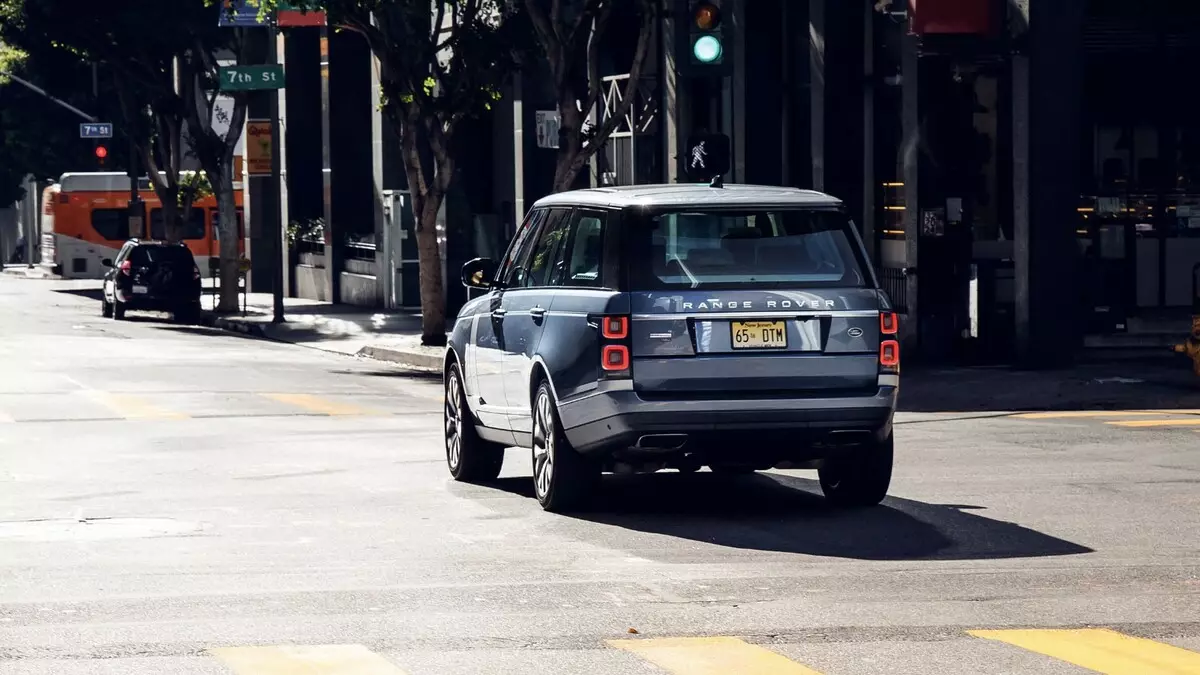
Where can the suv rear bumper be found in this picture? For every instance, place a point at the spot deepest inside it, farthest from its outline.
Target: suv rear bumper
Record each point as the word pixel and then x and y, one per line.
pixel 793 429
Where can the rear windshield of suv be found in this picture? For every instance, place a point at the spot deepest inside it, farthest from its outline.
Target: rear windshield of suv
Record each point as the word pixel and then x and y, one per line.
pixel 768 248
pixel 176 256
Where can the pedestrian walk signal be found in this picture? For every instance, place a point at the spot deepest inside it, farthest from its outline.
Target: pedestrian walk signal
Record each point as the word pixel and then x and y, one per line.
pixel 707 157
pixel 709 37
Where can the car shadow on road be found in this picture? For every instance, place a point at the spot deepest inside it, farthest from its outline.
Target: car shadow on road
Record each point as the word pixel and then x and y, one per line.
pixel 787 514
pixel 96 294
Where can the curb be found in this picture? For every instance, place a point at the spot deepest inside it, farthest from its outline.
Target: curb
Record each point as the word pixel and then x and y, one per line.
pixel 402 357
pixel 233 325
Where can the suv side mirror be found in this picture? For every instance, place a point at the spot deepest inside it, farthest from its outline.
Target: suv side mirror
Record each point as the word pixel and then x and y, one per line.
pixel 478 273
pixel 107 262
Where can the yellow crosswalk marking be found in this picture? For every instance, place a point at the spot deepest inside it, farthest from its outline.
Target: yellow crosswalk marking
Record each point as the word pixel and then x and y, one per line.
pixel 1074 414
pixel 1193 422
pixel 711 656
pixel 132 407
pixel 1101 650
pixel 315 660
pixel 320 405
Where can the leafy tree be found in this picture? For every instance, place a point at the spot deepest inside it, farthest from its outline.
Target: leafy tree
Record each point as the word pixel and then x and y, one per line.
pixel 37 136
pixel 571 33
pixel 440 61
pixel 161 57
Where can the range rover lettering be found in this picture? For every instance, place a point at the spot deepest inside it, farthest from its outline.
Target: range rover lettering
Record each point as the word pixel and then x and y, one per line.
pixel 735 327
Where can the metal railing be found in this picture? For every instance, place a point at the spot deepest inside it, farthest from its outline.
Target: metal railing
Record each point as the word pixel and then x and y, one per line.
pixel 894 281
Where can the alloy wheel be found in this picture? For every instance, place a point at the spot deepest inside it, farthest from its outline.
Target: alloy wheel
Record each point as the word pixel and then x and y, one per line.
pixel 543 445
pixel 453 421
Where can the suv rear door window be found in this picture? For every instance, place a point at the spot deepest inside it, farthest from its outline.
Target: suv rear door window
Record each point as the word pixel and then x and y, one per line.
pixel 721 249
pixel 580 261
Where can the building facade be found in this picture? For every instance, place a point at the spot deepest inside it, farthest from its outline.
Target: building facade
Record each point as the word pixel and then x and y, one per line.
pixel 1026 173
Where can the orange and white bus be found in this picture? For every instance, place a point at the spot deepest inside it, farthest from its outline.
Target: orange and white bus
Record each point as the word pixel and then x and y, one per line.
pixel 85 220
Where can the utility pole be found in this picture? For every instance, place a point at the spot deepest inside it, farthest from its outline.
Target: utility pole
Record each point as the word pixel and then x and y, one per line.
pixel 276 228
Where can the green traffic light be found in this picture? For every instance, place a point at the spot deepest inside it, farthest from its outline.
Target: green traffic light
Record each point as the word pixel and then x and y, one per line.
pixel 707 49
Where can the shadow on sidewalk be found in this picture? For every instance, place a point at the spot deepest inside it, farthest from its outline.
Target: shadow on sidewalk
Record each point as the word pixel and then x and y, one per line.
pixel 786 514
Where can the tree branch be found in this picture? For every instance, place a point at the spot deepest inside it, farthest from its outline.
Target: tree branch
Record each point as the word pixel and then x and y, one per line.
pixel 629 93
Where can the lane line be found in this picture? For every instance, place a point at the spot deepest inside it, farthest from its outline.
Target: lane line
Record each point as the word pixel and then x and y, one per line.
pixel 1194 422
pixel 711 656
pixel 1101 650
pixel 320 405
pixel 314 660
pixel 131 407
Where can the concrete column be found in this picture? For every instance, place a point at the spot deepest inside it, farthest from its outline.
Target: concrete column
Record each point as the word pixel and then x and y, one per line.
pixel 350 205
pixel 762 68
pixel 1047 86
pixel 669 103
pixel 260 206
pixel 910 152
pixel 816 90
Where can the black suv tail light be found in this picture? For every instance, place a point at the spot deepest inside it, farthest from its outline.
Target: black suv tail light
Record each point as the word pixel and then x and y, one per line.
pixel 615 360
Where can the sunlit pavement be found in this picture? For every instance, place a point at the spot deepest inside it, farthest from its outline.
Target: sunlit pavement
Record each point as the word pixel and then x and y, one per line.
pixel 177 500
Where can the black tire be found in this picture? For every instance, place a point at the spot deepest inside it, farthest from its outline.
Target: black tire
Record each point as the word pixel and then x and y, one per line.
pixel 861 477
pixel 469 458
pixel 563 480
pixel 118 311
pixel 106 309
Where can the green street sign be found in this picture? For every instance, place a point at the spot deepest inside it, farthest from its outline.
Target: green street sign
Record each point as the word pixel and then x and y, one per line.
pixel 250 78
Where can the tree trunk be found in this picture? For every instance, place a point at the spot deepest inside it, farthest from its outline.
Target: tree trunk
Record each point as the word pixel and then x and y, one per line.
pixel 433 294
pixel 227 220
pixel 172 225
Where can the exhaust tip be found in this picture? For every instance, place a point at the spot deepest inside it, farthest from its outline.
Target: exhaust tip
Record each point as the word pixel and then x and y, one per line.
pixel 661 441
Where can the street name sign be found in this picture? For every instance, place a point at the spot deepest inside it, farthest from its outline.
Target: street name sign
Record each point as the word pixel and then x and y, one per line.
pixel 241 14
pixel 250 78
pixel 96 130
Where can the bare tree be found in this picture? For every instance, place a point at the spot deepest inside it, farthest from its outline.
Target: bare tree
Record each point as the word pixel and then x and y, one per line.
pixel 570 33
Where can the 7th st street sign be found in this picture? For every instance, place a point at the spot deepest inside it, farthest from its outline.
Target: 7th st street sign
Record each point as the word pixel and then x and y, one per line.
pixel 250 78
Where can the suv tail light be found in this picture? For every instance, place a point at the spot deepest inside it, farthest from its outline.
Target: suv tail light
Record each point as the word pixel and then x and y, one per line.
pixel 889 347
pixel 614 346
pixel 889 355
pixel 889 323
pixel 126 267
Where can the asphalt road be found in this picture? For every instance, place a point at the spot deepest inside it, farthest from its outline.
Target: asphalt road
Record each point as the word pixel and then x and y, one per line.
pixel 175 500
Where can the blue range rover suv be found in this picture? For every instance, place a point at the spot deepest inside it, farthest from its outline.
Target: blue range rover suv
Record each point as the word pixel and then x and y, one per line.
pixel 639 328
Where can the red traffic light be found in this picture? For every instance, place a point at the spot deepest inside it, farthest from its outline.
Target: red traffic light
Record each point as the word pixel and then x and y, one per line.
pixel 706 15
pixel 101 152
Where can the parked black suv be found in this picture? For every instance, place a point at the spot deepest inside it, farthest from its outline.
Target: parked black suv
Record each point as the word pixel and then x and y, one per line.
pixel 152 276
pixel 676 326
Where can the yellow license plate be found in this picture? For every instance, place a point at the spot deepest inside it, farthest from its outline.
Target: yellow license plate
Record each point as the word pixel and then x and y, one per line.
pixel 758 334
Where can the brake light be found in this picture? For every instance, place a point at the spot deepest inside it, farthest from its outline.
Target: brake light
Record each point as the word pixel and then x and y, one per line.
pixel 615 360
pixel 889 323
pixel 127 267
pixel 615 327
pixel 889 355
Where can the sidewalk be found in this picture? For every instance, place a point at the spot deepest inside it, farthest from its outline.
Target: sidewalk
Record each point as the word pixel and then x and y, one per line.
pixel 23 271
pixel 1149 382
pixel 356 331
